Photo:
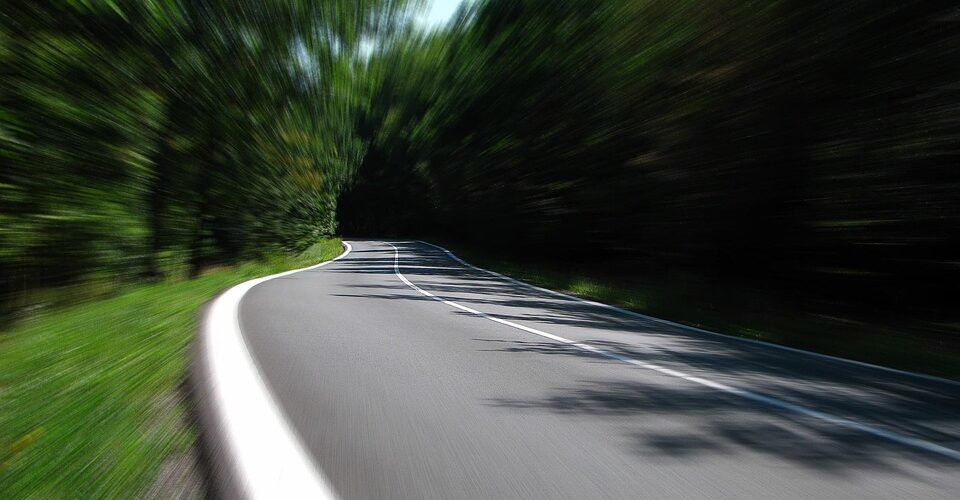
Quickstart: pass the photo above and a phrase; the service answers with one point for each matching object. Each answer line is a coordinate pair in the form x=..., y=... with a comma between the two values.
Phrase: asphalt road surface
x=505, y=391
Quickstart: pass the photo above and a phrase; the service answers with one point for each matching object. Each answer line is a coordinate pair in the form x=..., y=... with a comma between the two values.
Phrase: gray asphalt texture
x=397, y=395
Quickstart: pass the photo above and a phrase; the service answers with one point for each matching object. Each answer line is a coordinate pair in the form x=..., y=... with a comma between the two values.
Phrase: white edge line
x=269, y=459
x=743, y=393
x=635, y=314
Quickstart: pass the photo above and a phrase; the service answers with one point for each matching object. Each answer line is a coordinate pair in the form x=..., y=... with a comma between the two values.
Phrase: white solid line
x=270, y=460
x=750, y=395
x=635, y=314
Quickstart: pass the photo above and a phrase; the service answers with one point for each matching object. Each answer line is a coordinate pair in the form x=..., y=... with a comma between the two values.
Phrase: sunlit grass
x=91, y=397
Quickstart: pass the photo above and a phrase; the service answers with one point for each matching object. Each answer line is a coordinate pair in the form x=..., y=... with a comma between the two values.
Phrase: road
x=406, y=374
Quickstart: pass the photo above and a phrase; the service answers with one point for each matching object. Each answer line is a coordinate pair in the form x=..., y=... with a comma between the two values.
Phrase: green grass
x=91, y=404
x=766, y=315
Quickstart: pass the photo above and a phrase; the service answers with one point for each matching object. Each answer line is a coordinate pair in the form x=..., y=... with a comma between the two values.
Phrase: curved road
x=407, y=374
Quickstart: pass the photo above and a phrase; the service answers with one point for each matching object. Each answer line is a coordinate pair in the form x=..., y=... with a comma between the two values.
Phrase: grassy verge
x=924, y=347
x=91, y=404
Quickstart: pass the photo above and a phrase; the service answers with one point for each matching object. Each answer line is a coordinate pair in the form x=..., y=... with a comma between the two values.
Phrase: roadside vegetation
x=92, y=397
x=152, y=153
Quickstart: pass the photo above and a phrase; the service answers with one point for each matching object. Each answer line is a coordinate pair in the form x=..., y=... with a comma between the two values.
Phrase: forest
x=807, y=147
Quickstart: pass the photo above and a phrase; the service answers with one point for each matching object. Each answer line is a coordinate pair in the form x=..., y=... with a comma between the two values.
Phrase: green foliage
x=142, y=137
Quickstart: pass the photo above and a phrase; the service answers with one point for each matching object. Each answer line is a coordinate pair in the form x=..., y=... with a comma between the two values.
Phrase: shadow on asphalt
x=926, y=410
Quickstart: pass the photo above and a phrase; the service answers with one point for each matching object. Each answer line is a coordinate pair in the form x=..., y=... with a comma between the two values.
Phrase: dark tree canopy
x=808, y=143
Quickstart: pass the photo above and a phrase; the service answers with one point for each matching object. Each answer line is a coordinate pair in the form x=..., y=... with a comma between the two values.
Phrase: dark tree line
x=811, y=144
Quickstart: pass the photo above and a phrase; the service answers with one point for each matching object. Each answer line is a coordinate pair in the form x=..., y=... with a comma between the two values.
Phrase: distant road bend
x=405, y=373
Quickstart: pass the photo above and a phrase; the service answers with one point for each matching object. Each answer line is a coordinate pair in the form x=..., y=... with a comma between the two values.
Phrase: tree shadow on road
x=674, y=419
